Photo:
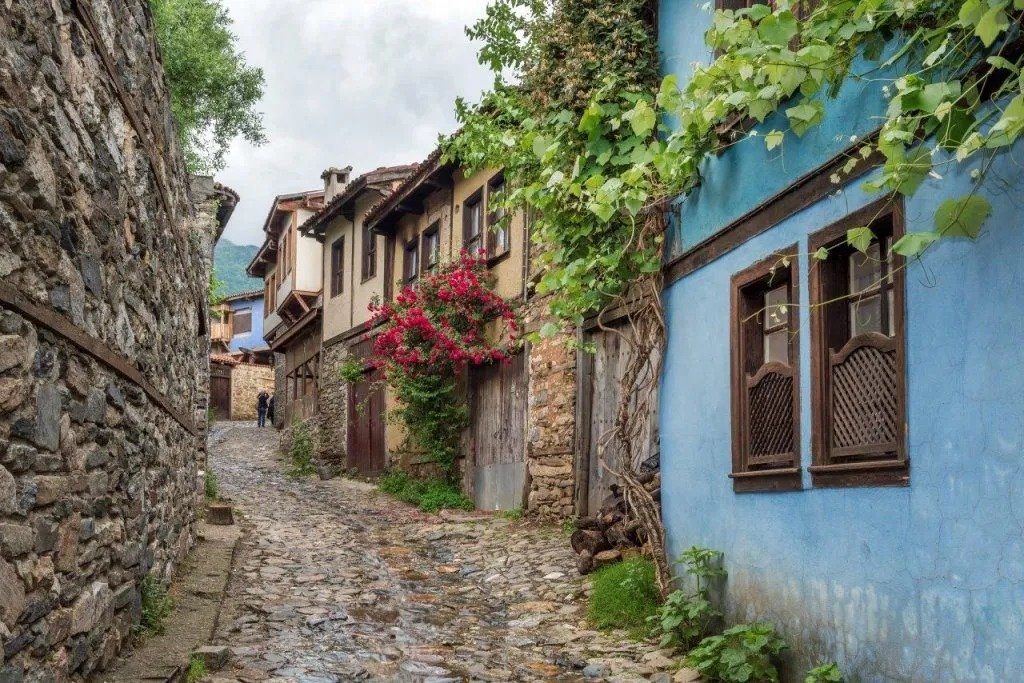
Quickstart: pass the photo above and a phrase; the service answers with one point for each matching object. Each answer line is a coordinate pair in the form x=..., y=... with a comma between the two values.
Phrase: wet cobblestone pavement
x=336, y=582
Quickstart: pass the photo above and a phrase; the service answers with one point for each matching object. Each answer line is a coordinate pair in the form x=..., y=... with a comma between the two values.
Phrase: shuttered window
x=411, y=261
x=498, y=237
x=338, y=266
x=431, y=255
x=369, y=254
x=242, y=319
x=765, y=376
x=473, y=223
x=858, y=362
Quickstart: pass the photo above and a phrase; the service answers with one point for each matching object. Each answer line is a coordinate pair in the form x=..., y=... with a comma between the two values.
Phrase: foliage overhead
x=214, y=92
x=591, y=144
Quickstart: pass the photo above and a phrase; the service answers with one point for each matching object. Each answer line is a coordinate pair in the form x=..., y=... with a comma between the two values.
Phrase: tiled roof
x=224, y=359
x=251, y=294
x=374, y=178
x=424, y=170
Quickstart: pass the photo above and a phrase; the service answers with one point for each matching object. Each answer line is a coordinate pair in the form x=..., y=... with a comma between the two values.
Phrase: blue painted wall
x=254, y=339
x=921, y=583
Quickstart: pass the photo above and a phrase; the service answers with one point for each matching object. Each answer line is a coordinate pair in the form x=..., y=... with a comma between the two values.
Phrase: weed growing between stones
x=514, y=514
x=625, y=595
x=686, y=617
x=747, y=652
x=825, y=673
x=431, y=496
x=156, y=607
x=212, y=487
x=569, y=525
x=196, y=670
x=301, y=451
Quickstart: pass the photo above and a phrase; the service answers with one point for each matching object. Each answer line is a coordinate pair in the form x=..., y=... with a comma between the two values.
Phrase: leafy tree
x=213, y=91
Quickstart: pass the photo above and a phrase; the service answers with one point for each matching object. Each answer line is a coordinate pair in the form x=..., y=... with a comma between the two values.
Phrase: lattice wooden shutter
x=865, y=400
x=770, y=411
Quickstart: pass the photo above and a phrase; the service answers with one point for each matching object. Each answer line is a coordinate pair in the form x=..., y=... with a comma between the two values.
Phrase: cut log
x=589, y=540
x=591, y=523
x=606, y=557
x=618, y=537
x=585, y=562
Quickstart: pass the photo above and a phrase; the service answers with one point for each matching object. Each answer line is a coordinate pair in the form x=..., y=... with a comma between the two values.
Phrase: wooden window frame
x=410, y=261
x=765, y=275
x=426, y=264
x=496, y=251
x=235, y=332
x=337, y=266
x=828, y=468
x=369, y=269
x=472, y=201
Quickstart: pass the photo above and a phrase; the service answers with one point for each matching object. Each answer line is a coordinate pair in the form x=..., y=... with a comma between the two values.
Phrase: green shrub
x=301, y=450
x=515, y=514
x=624, y=595
x=685, y=618
x=431, y=495
x=212, y=487
x=196, y=670
x=156, y=606
x=742, y=653
x=825, y=673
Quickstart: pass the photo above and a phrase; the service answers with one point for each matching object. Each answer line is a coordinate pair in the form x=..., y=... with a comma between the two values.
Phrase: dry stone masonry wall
x=333, y=405
x=103, y=272
x=247, y=380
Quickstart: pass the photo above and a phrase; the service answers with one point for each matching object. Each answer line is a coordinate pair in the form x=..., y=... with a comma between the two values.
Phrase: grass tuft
x=515, y=514
x=156, y=607
x=212, y=486
x=624, y=595
x=196, y=670
x=430, y=496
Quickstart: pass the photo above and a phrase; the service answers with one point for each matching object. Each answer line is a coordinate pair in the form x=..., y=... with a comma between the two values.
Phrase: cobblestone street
x=335, y=581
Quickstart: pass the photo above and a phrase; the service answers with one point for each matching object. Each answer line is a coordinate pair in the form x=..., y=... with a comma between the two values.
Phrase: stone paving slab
x=337, y=582
x=198, y=592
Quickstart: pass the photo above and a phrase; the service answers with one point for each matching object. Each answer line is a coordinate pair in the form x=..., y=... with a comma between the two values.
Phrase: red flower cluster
x=438, y=324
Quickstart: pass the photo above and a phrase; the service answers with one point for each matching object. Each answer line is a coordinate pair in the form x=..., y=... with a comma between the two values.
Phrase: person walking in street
x=270, y=410
x=262, y=403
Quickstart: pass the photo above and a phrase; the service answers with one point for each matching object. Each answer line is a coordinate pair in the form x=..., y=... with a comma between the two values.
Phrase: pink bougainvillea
x=437, y=325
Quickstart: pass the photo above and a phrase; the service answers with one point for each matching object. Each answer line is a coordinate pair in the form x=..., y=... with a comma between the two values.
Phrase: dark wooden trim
x=805, y=191
x=769, y=272
x=584, y=397
x=11, y=298
x=295, y=329
x=887, y=471
x=351, y=333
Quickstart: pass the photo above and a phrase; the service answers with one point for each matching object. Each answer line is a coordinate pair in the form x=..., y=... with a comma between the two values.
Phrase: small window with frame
x=473, y=223
x=431, y=248
x=499, y=241
x=369, y=254
x=411, y=262
x=765, y=376
x=338, y=266
x=857, y=355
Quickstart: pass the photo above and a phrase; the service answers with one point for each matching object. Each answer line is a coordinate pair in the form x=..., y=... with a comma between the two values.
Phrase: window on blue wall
x=857, y=354
x=242, y=318
x=765, y=376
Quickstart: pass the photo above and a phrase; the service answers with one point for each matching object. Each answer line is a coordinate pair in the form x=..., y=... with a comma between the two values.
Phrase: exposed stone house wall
x=551, y=419
x=333, y=417
x=247, y=380
x=103, y=356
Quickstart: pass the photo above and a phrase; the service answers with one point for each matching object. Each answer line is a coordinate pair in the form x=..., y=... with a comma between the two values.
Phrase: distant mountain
x=229, y=262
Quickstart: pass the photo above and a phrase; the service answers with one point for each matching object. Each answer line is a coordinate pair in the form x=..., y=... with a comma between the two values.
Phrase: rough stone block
x=12, y=594
x=219, y=514
x=92, y=607
x=8, y=492
x=215, y=657
x=15, y=540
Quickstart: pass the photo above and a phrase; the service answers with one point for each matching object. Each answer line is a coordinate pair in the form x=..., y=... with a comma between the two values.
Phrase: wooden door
x=497, y=395
x=600, y=377
x=366, y=447
x=220, y=391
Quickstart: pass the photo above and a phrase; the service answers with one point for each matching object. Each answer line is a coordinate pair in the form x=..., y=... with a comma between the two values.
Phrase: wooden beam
x=14, y=300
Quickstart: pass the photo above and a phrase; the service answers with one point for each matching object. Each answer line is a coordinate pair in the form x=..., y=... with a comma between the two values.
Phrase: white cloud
x=361, y=82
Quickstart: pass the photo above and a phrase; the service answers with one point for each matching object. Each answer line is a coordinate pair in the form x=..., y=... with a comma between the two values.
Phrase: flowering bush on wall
x=435, y=329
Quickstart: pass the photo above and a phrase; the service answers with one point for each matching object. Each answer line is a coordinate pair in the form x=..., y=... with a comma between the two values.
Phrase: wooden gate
x=366, y=447
x=600, y=375
x=220, y=391
x=497, y=399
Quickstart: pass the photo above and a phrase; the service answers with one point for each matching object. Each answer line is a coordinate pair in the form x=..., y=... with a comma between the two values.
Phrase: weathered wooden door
x=220, y=391
x=601, y=376
x=366, y=447
x=497, y=400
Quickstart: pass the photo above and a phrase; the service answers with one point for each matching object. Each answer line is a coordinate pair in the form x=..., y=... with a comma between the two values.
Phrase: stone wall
x=247, y=380
x=103, y=356
x=333, y=405
x=551, y=419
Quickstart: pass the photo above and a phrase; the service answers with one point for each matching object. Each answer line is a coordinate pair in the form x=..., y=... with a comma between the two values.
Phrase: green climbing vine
x=590, y=142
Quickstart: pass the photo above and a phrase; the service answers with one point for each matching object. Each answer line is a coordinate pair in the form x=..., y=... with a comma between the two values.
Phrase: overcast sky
x=365, y=83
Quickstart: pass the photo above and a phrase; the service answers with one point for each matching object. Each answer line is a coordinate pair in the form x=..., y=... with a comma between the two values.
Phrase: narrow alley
x=335, y=581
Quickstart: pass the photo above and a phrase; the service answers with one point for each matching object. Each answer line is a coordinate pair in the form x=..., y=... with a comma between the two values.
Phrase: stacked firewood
x=612, y=534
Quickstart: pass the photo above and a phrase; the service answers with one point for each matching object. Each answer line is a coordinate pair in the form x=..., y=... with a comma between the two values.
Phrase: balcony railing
x=220, y=332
